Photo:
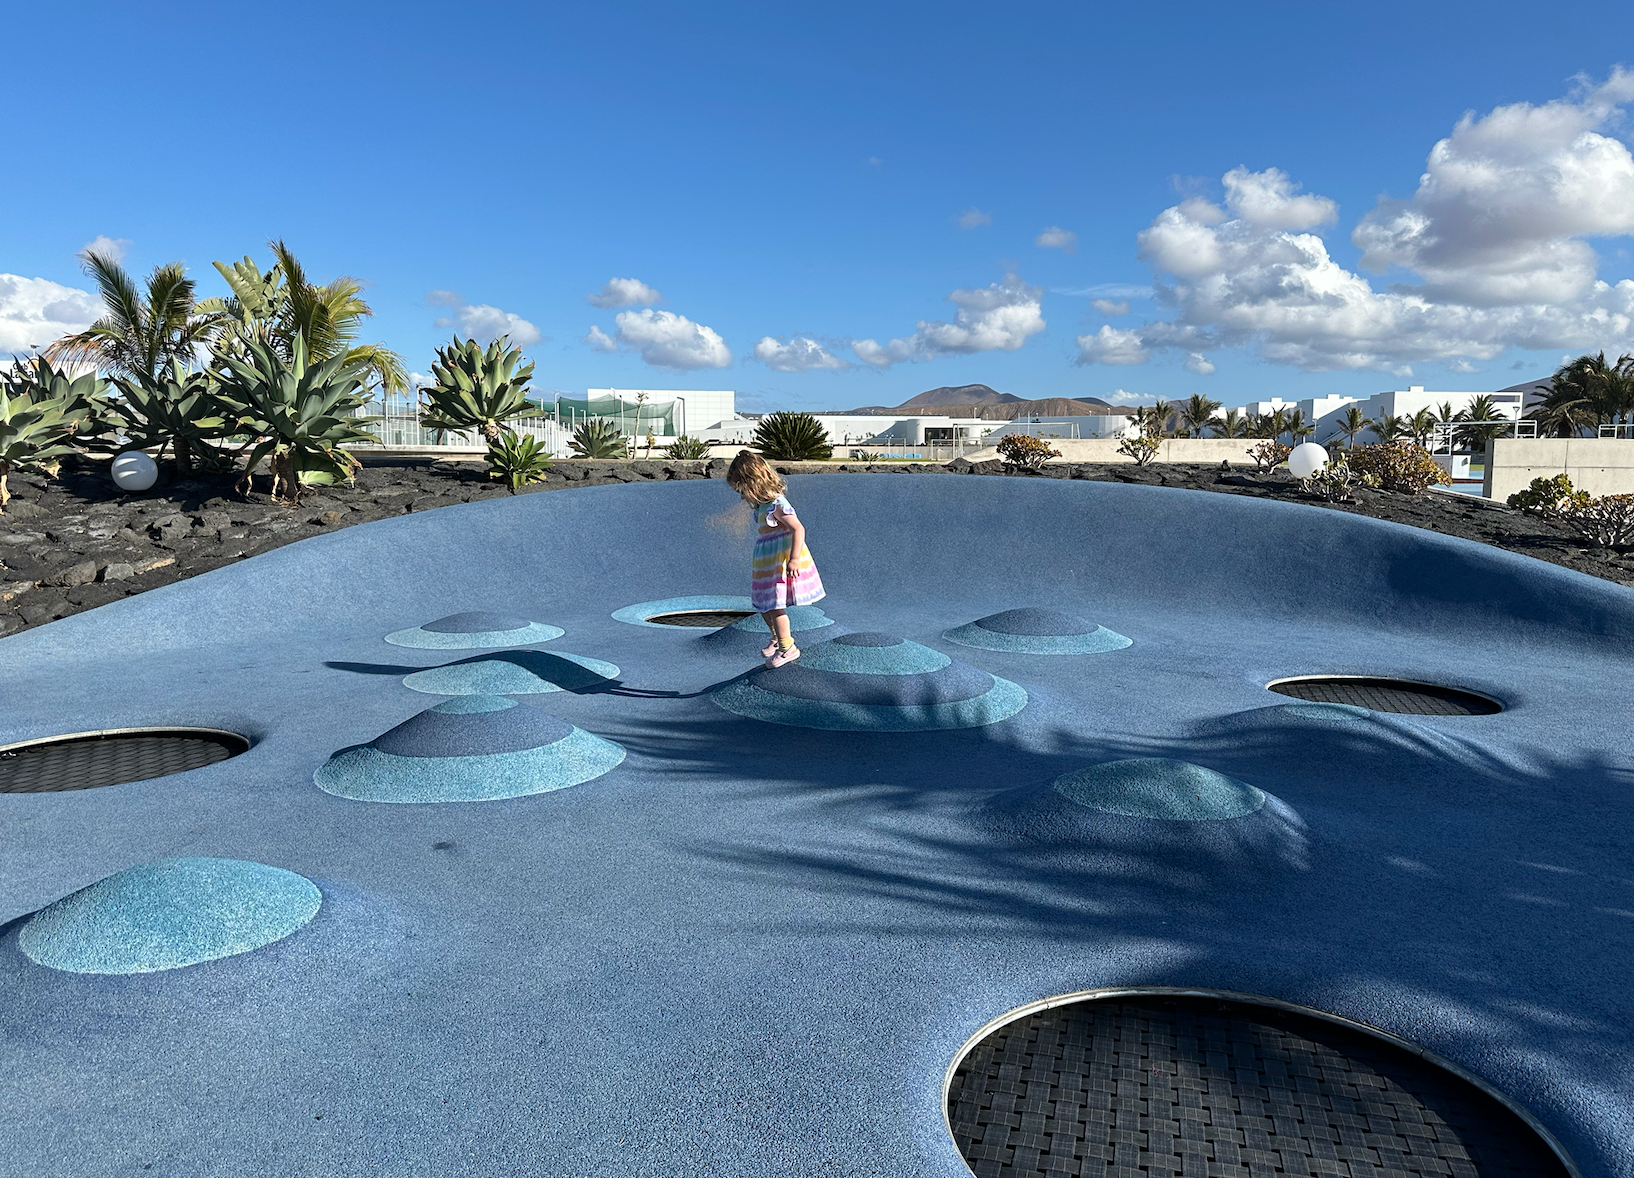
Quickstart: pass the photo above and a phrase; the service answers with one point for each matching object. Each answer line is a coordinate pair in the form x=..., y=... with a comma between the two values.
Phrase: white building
x=1325, y=412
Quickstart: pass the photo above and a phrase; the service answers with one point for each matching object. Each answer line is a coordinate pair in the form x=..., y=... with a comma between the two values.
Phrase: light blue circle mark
x=637, y=615
x=1156, y=787
x=1342, y=713
x=1098, y=641
x=365, y=774
x=801, y=617
x=519, y=672
x=422, y=639
x=905, y=658
x=743, y=698
x=168, y=914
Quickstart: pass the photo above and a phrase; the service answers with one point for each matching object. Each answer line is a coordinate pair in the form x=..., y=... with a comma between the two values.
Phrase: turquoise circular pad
x=1155, y=787
x=474, y=631
x=1037, y=631
x=873, y=683
x=475, y=748
x=169, y=913
x=637, y=615
x=514, y=672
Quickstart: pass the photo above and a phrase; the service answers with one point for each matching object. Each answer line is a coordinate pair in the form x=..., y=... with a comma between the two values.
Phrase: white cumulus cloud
x=1056, y=238
x=999, y=317
x=973, y=218
x=623, y=292
x=1111, y=306
x=798, y=354
x=35, y=311
x=113, y=248
x=480, y=321
x=1112, y=345
x=1124, y=397
x=1200, y=364
x=664, y=340
x=1496, y=233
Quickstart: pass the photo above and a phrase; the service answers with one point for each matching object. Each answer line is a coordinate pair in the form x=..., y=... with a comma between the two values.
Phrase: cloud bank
x=1490, y=249
x=624, y=292
x=479, y=321
x=799, y=353
x=35, y=311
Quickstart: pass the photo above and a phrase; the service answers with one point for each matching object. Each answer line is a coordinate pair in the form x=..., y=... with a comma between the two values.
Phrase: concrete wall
x=1212, y=450
x=1600, y=466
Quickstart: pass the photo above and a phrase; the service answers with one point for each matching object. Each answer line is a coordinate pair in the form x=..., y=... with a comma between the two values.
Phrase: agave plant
x=598, y=438
x=299, y=413
x=792, y=437
x=41, y=411
x=478, y=388
x=517, y=459
x=178, y=409
x=684, y=448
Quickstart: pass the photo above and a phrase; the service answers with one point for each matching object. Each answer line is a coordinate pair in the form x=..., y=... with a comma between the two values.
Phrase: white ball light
x=1306, y=459
x=135, y=471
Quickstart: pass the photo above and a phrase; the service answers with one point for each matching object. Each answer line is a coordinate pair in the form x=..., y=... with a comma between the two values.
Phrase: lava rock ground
x=76, y=542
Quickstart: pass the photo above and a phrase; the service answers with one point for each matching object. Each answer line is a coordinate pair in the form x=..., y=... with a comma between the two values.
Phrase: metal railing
x=398, y=424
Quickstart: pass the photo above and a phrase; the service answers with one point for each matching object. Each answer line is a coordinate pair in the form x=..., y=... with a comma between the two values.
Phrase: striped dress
x=775, y=581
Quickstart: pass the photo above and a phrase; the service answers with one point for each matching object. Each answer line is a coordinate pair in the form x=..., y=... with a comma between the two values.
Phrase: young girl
x=782, y=573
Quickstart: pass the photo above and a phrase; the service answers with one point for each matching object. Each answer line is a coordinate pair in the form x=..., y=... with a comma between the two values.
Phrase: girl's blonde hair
x=749, y=473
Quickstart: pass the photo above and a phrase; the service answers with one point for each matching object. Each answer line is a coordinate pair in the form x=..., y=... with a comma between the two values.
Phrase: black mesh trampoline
x=1387, y=695
x=1188, y=1086
x=90, y=760
x=701, y=619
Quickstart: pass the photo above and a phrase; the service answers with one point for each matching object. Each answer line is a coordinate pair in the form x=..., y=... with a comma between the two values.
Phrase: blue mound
x=873, y=683
x=476, y=748
x=515, y=672
x=168, y=914
x=746, y=637
x=1155, y=787
x=471, y=631
x=632, y=952
x=637, y=615
x=1037, y=631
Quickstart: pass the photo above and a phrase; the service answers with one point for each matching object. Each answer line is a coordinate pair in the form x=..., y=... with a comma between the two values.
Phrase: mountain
x=977, y=400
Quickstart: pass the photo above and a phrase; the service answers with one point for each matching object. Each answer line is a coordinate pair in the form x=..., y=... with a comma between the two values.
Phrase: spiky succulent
x=684, y=448
x=517, y=459
x=792, y=437
x=478, y=388
x=41, y=411
x=599, y=438
x=178, y=409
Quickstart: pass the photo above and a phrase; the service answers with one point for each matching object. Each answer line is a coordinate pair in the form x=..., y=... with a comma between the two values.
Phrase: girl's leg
x=777, y=621
x=770, y=617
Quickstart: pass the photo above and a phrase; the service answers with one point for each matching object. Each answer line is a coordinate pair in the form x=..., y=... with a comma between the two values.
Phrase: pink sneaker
x=783, y=657
x=771, y=649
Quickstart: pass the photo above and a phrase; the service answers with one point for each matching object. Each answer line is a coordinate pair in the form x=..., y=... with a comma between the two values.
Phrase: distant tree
x=1196, y=414
x=1232, y=425
x=1389, y=427
x=1351, y=423
x=1482, y=421
x=1298, y=429
x=143, y=330
x=1422, y=425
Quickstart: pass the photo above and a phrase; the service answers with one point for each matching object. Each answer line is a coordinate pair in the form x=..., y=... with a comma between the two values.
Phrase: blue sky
x=824, y=179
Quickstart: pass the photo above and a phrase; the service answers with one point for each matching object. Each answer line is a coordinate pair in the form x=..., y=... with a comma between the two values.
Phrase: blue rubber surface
x=515, y=672
x=168, y=914
x=754, y=949
x=1161, y=788
x=474, y=630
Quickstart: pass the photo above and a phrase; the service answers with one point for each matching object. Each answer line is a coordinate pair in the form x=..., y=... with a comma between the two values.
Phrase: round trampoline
x=1161, y=1084
x=1401, y=696
x=89, y=760
x=701, y=619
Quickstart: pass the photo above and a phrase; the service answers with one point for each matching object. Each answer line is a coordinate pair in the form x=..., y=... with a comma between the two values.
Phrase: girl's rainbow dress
x=776, y=582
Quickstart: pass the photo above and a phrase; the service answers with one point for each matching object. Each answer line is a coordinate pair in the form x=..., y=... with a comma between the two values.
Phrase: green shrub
x=1269, y=454
x=1025, y=452
x=599, y=438
x=1399, y=466
x=685, y=449
x=1548, y=496
x=517, y=459
x=1604, y=522
x=1142, y=448
x=1334, y=482
x=865, y=455
x=792, y=437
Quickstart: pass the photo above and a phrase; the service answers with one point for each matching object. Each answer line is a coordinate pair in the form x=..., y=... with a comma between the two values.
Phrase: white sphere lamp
x=1306, y=459
x=135, y=471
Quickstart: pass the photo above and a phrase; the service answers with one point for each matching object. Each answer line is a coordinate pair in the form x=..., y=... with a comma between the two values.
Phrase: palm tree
x=1154, y=420
x=1352, y=423
x=144, y=330
x=281, y=305
x=1600, y=390
x=1422, y=425
x=1196, y=412
x=1483, y=422
x=1388, y=427
x=1565, y=411
x=1297, y=428
x=1276, y=424
x=1231, y=425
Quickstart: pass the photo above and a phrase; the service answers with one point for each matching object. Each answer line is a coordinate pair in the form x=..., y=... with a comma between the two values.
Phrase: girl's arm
x=797, y=535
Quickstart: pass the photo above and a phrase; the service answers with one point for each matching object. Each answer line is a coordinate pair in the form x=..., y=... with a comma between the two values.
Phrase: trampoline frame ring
x=1105, y=992
x=1389, y=680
